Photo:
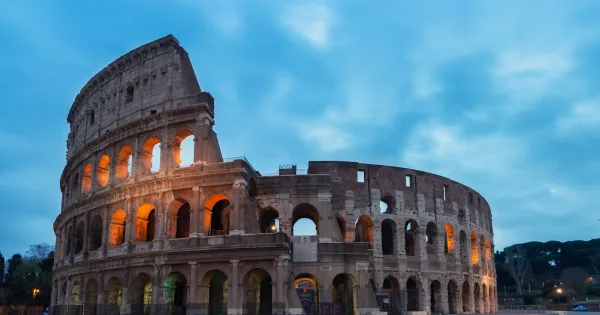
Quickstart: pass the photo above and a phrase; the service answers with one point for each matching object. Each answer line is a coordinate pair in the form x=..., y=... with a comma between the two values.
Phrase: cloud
x=312, y=22
x=328, y=138
x=582, y=116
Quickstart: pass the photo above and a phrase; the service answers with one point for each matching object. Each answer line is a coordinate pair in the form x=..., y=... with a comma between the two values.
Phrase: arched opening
x=79, y=237
x=431, y=236
x=179, y=219
x=488, y=250
x=86, y=179
x=183, y=148
x=449, y=244
x=388, y=236
x=452, y=297
x=259, y=293
x=141, y=295
x=117, y=228
x=474, y=249
x=307, y=288
x=95, y=233
x=344, y=294
x=91, y=296
x=74, y=298
x=387, y=205
x=218, y=293
x=341, y=223
x=124, y=163
x=145, y=221
x=436, y=297
x=114, y=295
x=70, y=236
x=477, y=298
x=175, y=292
x=462, y=217
x=151, y=155
x=363, y=232
x=217, y=211
x=410, y=237
x=412, y=295
x=103, y=170
x=466, y=297
x=389, y=298
x=269, y=221
x=305, y=220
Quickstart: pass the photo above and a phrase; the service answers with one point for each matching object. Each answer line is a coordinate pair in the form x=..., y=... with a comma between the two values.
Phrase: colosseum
x=141, y=233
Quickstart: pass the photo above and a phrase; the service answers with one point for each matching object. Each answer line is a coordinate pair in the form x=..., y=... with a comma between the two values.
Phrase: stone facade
x=218, y=236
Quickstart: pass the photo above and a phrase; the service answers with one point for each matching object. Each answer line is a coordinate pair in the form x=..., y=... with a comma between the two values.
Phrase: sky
x=502, y=98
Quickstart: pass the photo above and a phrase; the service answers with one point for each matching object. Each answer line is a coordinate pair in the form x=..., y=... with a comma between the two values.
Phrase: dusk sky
x=503, y=97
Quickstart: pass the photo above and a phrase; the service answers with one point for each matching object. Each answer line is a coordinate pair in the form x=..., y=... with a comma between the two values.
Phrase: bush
x=528, y=299
x=558, y=298
x=592, y=289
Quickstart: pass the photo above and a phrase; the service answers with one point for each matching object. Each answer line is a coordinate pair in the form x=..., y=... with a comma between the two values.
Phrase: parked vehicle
x=580, y=308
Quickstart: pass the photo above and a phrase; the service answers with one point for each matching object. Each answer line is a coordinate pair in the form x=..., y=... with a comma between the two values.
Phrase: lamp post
x=34, y=293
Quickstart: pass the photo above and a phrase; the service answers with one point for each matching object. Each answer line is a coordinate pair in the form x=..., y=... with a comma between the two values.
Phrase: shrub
x=528, y=299
x=558, y=298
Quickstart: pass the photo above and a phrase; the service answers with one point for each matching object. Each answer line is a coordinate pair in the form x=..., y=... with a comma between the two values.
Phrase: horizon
x=499, y=99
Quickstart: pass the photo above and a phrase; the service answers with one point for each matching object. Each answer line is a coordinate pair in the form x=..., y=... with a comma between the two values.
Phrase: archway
x=70, y=236
x=344, y=294
x=86, y=180
x=307, y=288
x=151, y=155
x=387, y=205
x=91, y=296
x=462, y=217
x=449, y=244
x=79, y=237
x=410, y=237
x=74, y=298
x=217, y=212
x=183, y=148
x=466, y=297
x=364, y=230
x=477, y=298
x=117, y=228
x=269, y=221
x=103, y=170
x=145, y=223
x=474, y=249
x=412, y=295
x=114, y=290
x=431, y=237
x=391, y=291
x=388, y=237
x=218, y=292
x=259, y=293
x=436, y=297
x=452, y=297
x=305, y=220
x=175, y=292
x=178, y=219
x=124, y=163
x=141, y=295
x=95, y=233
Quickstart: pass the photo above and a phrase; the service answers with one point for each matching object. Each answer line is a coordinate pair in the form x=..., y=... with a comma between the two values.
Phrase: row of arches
x=182, y=154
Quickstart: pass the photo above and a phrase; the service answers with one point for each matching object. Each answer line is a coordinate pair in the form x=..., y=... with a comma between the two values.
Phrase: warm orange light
x=35, y=292
x=559, y=291
x=273, y=228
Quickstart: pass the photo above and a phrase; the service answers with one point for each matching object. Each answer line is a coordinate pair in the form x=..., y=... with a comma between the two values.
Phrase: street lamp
x=34, y=293
x=559, y=291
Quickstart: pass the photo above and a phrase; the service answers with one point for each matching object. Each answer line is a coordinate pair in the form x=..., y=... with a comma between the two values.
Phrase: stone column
x=102, y=298
x=129, y=222
x=106, y=218
x=240, y=188
x=86, y=234
x=234, y=303
x=68, y=294
x=197, y=207
x=458, y=300
x=54, y=294
x=156, y=285
x=421, y=242
x=279, y=278
x=193, y=298
x=472, y=298
x=425, y=296
x=125, y=303
x=400, y=240
x=81, y=292
x=444, y=299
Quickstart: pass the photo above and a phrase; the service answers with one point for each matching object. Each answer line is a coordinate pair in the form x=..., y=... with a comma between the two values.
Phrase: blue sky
x=503, y=98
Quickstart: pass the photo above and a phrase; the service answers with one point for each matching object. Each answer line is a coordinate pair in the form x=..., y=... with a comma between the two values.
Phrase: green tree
x=13, y=263
x=25, y=278
x=1, y=270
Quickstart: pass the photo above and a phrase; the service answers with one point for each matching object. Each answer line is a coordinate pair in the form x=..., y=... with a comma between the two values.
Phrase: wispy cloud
x=311, y=21
x=581, y=116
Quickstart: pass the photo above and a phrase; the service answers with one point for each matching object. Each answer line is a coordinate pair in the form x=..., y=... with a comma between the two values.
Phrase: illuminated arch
x=474, y=249
x=450, y=239
x=217, y=212
x=103, y=170
x=179, y=218
x=179, y=147
x=149, y=150
x=124, y=163
x=145, y=223
x=86, y=179
x=364, y=230
x=117, y=228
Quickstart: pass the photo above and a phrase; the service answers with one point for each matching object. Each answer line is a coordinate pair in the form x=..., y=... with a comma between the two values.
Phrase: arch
x=412, y=295
x=74, y=185
x=217, y=212
x=466, y=297
x=387, y=205
x=183, y=148
x=178, y=218
x=453, y=297
x=431, y=238
x=388, y=237
x=305, y=212
x=344, y=294
x=91, y=296
x=95, y=235
x=217, y=295
x=141, y=294
x=79, y=231
x=474, y=249
x=103, y=170
x=477, y=298
x=391, y=290
x=117, y=227
x=364, y=230
x=175, y=291
x=436, y=297
x=488, y=249
x=462, y=217
x=259, y=292
x=341, y=222
x=307, y=288
x=449, y=244
x=86, y=179
x=410, y=237
x=70, y=236
x=124, y=162
x=269, y=221
x=114, y=290
x=74, y=298
x=151, y=152
x=145, y=221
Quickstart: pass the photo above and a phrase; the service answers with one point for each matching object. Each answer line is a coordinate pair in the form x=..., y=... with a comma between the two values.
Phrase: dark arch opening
x=412, y=295
x=259, y=293
x=343, y=294
x=388, y=236
x=269, y=221
x=436, y=297
x=79, y=237
x=96, y=233
x=183, y=221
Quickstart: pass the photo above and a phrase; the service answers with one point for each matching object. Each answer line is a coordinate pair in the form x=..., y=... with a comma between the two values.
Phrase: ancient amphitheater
x=217, y=237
